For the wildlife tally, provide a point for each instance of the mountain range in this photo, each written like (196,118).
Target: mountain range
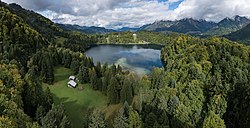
(199,27)
(187,26)
(229,25)
(236,28)
(242,35)
(94,29)
(86,29)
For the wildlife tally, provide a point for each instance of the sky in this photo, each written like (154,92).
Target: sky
(116,14)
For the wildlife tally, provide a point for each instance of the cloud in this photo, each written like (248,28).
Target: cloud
(72,7)
(133,13)
(129,14)
(213,10)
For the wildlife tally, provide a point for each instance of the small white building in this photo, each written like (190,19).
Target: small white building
(72,78)
(72,84)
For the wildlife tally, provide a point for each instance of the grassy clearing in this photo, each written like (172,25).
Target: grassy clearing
(75,100)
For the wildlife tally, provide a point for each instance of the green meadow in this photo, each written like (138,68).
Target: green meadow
(75,100)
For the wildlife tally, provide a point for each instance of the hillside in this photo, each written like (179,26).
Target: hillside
(18,40)
(228,25)
(49,30)
(242,35)
(204,78)
(27,59)
(189,25)
(157,25)
(38,22)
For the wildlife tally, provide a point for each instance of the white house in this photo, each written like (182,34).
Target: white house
(72,78)
(72,84)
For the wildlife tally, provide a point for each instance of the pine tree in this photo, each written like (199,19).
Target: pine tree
(105,81)
(56,117)
(121,121)
(157,78)
(112,92)
(83,74)
(127,91)
(134,120)
(74,66)
(97,120)
(98,69)
(40,113)
(93,78)
(47,100)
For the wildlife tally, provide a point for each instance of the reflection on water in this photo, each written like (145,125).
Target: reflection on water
(134,58)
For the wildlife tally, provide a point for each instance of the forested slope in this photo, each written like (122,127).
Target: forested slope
(18,40)
(18,43)
(206,83)
(27,59)
(242,35)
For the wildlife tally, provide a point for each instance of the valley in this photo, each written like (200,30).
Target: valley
(168,73)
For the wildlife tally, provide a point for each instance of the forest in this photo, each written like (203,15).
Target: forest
(204,82)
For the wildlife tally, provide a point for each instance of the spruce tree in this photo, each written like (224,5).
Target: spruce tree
(112,92)
(97,120)
(121,121)
(56,117)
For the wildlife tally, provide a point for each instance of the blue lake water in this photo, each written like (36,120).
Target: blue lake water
(139,59)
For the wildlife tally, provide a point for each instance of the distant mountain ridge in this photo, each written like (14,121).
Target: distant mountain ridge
(228,25)
(85,29)
(128,29)
(187,25)
(199,27)
(242,35)
(157,25)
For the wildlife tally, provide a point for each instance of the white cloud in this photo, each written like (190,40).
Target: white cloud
(214,10)
(132,13)
(73,7)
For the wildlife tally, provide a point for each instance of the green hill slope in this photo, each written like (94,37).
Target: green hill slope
(18,40)
(242,35)
(38,22)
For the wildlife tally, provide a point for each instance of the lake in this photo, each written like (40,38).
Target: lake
(140,59)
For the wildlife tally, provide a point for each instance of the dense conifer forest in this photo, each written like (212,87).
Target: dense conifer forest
(204,82)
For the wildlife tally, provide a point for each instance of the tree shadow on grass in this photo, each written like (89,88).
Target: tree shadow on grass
(75,112)
(61,77)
